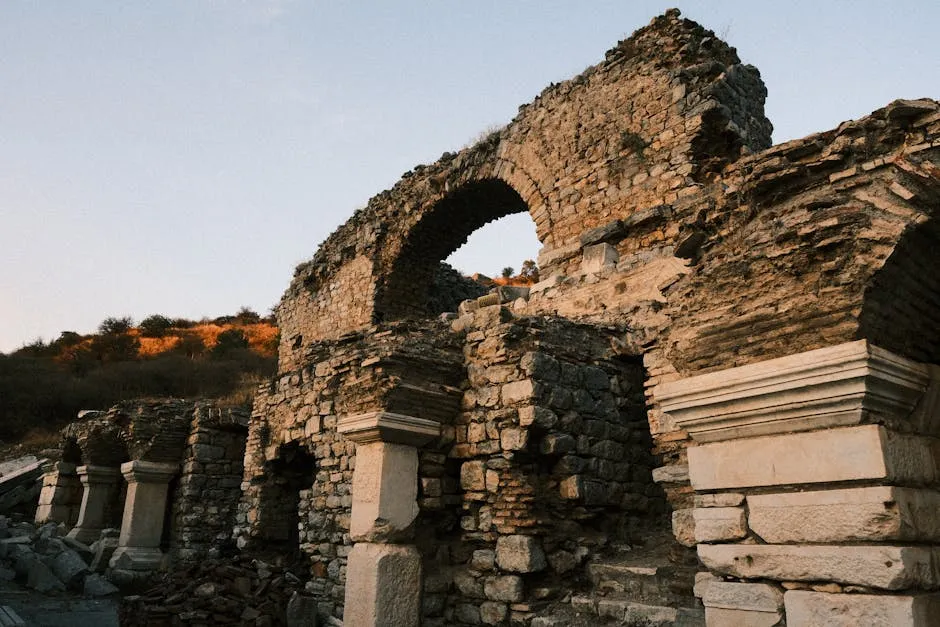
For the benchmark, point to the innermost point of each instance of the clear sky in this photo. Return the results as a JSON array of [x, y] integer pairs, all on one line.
[[181, 157]]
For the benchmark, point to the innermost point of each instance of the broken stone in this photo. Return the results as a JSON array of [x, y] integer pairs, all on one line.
[[519, 554]]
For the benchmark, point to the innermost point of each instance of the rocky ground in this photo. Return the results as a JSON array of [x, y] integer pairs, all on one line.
[[48, 579]]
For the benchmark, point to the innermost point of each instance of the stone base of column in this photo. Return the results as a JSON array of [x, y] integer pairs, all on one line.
[[136, 558], [383, 586]]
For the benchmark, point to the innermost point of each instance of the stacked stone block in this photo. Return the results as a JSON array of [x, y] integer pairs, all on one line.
[[816, 488], [554, 463], [209, 484]]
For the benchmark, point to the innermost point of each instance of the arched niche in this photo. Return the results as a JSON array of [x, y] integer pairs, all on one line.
[[901, 310]]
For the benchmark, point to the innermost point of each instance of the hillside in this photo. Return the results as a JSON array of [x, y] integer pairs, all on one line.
[[43, 385]]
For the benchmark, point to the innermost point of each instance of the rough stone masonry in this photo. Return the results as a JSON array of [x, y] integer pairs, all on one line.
[[729, 339], [530, 434]]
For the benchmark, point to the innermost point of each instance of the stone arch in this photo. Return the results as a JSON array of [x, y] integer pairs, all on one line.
[[402, 291], [901, 307]]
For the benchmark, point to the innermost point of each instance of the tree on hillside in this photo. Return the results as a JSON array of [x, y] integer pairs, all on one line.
[[155, 326], [190, 345], [228, 342], [112, 347], [115, 326], [530, 271], [247, 315], [508, 271]]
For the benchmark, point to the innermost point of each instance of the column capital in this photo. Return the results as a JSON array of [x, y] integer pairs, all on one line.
[[149, 472], [383, 426], [98, 474], [842, 385]]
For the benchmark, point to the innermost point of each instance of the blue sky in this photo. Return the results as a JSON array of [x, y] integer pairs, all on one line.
[[181, 157]]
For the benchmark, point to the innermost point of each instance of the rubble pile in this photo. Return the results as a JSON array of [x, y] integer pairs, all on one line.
[[235, 591], [46, 560]]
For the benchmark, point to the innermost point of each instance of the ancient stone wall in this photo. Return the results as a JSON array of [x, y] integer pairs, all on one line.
[[676, 243], [209, 485]]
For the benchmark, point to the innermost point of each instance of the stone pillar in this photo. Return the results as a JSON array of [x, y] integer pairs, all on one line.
[[144, 512], [61, 495], [383, 577], [101, 487], [815, 479]]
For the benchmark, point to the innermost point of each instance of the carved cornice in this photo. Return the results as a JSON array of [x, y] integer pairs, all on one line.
[[841, 385], [381, 426]]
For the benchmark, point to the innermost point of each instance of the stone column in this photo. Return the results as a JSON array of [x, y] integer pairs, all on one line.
[[144, 510], [61, 495], [383, 576], [815, 479], [101, 486]]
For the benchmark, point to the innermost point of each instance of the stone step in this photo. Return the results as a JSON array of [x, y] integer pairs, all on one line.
[[658, 585], [585, 610]]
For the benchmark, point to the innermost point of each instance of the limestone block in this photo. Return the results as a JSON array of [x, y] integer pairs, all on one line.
[[518, 392], [722, 617], [385, 491], [885, 567], [809, 609], [383, 586], [864, 452], [757, 597], [520, 554], [683, 526], [880, 513], [714, 524], [597, 257], [677, 473]]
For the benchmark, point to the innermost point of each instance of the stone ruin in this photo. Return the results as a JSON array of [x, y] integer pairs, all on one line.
[[719, 405]]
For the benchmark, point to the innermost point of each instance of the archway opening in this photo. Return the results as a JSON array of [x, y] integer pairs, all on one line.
[[901, 311], [416, 285]]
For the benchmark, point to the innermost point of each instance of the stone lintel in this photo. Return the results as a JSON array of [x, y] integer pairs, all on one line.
[[149, 472], [841, 385], [810, 609], [869, 514], [875, 566], [383, 426], [866, 452], [98, 474]]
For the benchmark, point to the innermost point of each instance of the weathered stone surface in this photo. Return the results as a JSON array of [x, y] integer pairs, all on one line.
[[678, 473], [715, 524], [829, 387], [719, 617], [884, 567], [865, 452], [598, 257], [382, 586], [503, 588], [683, 526], [385, 491], [520, 554], [881, 513], [721, 499], [809, 609], [758, 597]]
